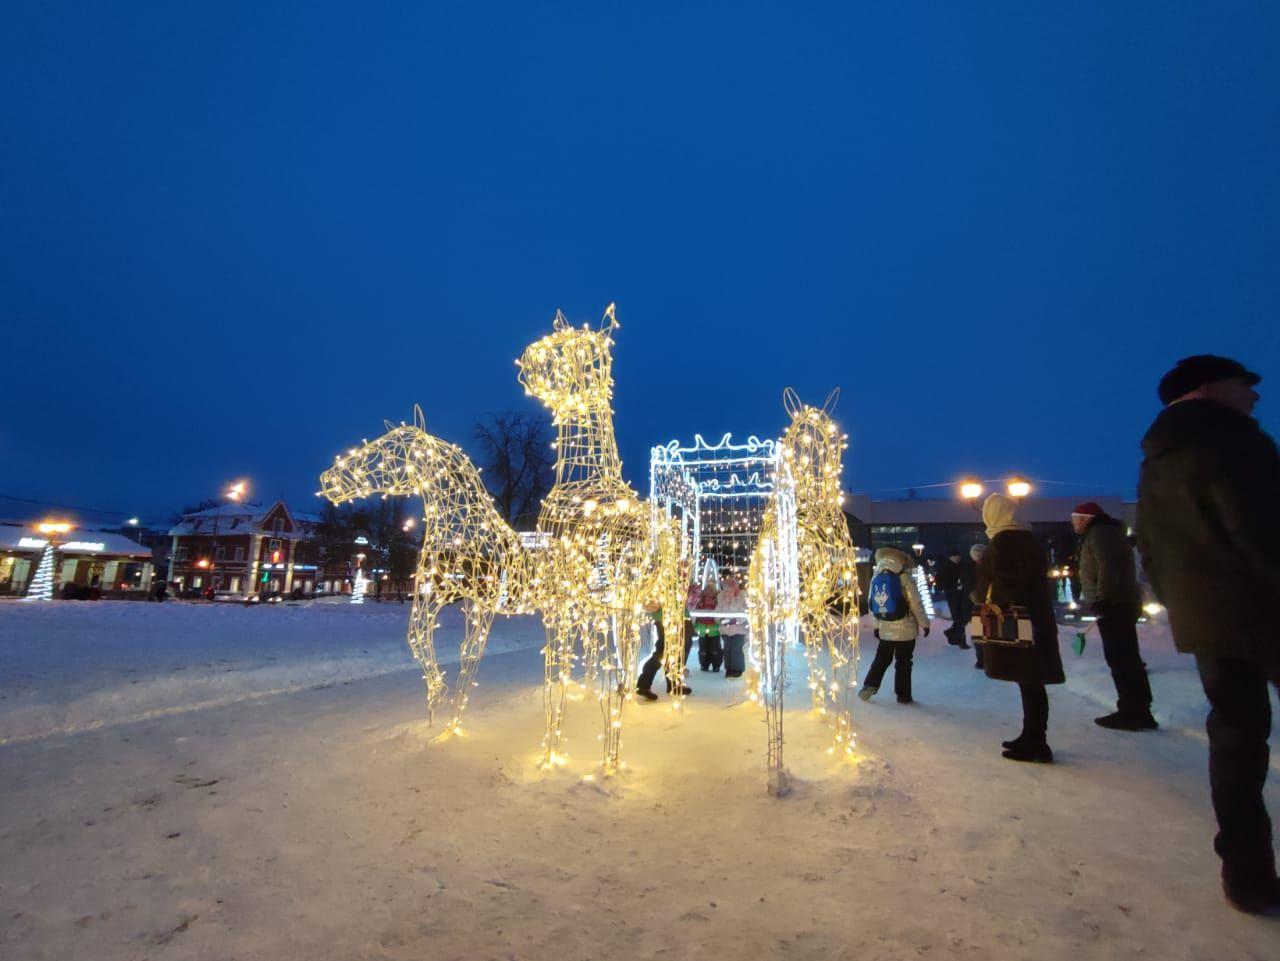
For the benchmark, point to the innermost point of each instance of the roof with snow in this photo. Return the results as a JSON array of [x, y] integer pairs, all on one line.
[[106, 543]]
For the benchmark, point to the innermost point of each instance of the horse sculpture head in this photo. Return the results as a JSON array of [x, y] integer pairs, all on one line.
[[394, 464], [814, 447], [570, 369]]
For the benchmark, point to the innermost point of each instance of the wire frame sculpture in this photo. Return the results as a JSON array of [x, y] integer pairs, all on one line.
[[803, 583], [609, 556], [469, 554]]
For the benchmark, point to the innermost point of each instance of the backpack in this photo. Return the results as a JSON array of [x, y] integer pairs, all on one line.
[[888, 602]]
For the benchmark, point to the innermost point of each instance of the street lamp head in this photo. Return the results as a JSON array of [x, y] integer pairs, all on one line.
[[53, 527], [203, 562], [1018, 488], [132, 522], [237, 490], [970, 490]]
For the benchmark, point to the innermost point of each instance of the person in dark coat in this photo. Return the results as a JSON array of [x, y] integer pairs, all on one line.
[[1015, 570], [969, 575], [1109, 588], [1208, 525], [649, 670], [950, 581]]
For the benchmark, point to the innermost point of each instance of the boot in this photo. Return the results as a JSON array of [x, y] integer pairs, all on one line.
[[867, 693], [1015, 743], [1027, 751], [1127, 722], [1252, 896], [646, 694]]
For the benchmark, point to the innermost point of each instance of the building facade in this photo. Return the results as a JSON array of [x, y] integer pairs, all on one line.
[[109, 562], [243, 550]]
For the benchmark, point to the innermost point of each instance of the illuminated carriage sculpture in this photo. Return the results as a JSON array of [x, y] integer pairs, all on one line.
[[772, 508], [606, 556]]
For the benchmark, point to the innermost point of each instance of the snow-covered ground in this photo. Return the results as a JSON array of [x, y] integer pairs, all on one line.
[[283, 819]]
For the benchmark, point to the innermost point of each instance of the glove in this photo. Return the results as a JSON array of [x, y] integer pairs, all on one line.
[[876, 632]]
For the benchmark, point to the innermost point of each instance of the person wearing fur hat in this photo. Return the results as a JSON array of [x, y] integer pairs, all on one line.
[[1208, 525], [1015, 571], [1109, 587], [899, 617]]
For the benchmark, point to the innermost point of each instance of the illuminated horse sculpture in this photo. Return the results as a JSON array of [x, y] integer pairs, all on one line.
[[608, 553], [802, 580], [469, 553]]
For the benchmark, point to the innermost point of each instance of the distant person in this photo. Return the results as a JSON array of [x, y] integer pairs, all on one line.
[[710, 650], [160, 590], [899, 616], [1109, 588], [733, 631], [1015, 571], [649, 670], [971, 582], [950, 575], [1208, 529]]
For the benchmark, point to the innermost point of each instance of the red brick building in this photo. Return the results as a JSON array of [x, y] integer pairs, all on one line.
[[243, 550]]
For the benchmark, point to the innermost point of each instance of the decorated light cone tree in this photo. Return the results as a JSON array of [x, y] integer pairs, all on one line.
[[41, 586]]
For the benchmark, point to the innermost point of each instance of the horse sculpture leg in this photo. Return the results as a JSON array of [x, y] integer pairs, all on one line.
[[422, 625], [479, 620], [555, 689], [617, 677]]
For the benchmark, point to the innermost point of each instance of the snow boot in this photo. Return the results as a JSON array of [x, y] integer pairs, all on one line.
[[867, 693], [1027, 751], [646, 694], [684, 689], [905, 699], [1127, 722], [1253, 898]]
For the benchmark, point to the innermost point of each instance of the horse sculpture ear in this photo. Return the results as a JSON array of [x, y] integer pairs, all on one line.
[[388, 425], [419, 421], [609, 322], [829, 404], [791, 402], [559, 323]]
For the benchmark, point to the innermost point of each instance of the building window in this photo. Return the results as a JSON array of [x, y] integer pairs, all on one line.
[[235, 585], [182, 554], [197, 581], [239, 554], [279, 526], [273, 545], [220, 554]]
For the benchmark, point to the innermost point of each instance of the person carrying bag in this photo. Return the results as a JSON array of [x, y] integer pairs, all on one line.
[[1013, 589]]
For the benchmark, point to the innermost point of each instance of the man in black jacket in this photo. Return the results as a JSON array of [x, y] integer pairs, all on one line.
[[1208, 524], [1109, 587]]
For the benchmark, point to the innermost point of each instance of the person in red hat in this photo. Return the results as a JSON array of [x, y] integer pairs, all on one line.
[[1109, 588]]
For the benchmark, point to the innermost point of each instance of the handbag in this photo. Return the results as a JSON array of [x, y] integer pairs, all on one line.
[[1005, 624]]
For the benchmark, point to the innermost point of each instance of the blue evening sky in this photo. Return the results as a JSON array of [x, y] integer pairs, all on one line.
[[235, 236]]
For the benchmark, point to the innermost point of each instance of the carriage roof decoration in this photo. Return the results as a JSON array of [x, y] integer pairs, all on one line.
[[602, 559]]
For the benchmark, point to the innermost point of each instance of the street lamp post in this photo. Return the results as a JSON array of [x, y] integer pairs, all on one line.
[[234, 493]]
